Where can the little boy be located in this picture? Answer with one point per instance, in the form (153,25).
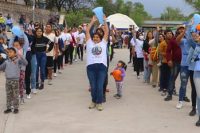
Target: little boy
(12,73)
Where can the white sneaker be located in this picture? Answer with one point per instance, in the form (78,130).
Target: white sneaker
(59,72)
(55,75)
(49,82)
(179,105)
(34,91)
(138,77)
(28,96)
(75,60)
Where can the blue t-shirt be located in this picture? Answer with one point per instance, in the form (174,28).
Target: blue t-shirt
(185,47)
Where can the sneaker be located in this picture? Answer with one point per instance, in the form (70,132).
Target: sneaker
(99,107)
(7,111)
(92,105)
(16,111)
(21,101)
(28,96)
(116,95)
(168,98)
(154,86)
(41,86)
(198,122)
(75,60)
(193,112)
(34,91)
(163,93)
(179,105)
(59,72)
(186,99)
(138,77)
(50,82)
(175,93)
(55,75)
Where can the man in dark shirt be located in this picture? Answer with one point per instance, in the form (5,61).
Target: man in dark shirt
(173,56)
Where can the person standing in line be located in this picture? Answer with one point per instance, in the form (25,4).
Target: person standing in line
(184,71)
(41,45)
(66,37)
(50,55)
(80,42)
(164,68)
(12,73)
(137,44)
(173,56)
(146,48)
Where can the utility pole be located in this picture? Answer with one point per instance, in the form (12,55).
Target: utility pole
(33,11)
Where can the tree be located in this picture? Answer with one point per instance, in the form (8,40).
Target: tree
(139,14)
(195,4)
(171,14)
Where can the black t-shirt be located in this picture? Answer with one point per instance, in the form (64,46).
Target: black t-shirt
(40,45)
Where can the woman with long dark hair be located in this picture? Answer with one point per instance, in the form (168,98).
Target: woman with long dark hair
(41,45)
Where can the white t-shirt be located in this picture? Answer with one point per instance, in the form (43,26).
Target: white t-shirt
(75,34)
(52,38)
(96,53)
(66,37)
(138,44)
(81,38)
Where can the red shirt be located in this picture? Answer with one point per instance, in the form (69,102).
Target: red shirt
(173,51)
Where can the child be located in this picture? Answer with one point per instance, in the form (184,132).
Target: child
(119,74)
(12,73)
(20,52)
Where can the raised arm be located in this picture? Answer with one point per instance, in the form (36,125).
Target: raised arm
(106,29)
(94,19)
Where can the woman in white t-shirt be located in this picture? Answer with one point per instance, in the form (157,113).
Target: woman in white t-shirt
(96,63)
(137,51)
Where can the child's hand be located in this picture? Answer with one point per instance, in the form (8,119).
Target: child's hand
(111,73)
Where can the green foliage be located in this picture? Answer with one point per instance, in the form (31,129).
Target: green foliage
(74,18)
(172,14)
(195,4)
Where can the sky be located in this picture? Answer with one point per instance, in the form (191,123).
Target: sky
(156,7)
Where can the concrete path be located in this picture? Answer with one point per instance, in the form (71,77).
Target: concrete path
(63,107)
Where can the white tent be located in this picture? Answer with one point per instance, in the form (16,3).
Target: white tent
(121,21)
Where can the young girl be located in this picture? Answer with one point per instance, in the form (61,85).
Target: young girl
(20,52)
(119,74)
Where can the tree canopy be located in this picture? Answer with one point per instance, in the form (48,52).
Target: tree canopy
(172,14)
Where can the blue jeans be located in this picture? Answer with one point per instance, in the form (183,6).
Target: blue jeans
(147,71)
(197,85)
(173,76)
(97,74)
(33,71)
(184,76)
(41,66)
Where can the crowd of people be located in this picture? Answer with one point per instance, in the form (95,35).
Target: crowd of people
(38,52)
(34,54)
(162,55)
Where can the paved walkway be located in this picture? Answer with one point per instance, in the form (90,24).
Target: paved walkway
(63,108)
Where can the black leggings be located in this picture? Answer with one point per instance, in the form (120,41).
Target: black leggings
(69,54)
(80,51)
(28,73)
(58,63)
(112,51)
(139,67)
(193,93)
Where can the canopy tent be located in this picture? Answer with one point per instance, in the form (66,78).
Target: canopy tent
(121,21)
